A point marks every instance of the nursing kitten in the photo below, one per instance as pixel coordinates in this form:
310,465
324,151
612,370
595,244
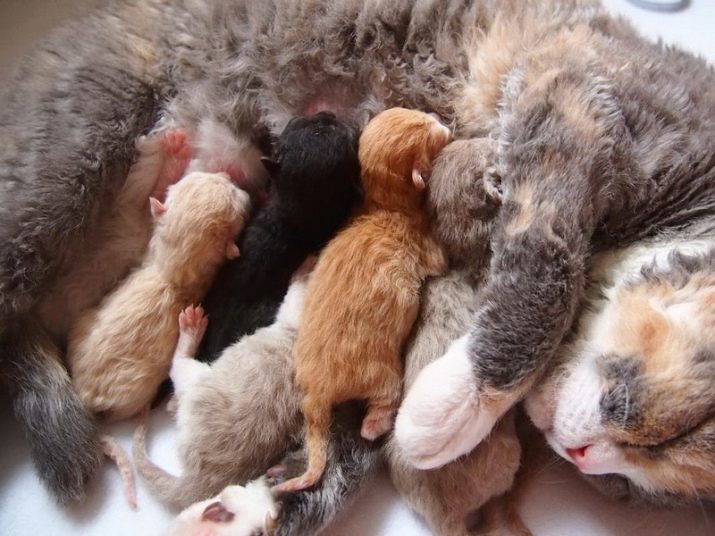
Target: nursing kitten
363,297
463,200
611,129
236,417
119,352
630,397
315,185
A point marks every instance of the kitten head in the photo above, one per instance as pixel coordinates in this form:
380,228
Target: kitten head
200,219
396,151
633,394
463,199
315,171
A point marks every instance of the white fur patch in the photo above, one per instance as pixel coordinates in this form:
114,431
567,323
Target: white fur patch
291,309
441,417
252,508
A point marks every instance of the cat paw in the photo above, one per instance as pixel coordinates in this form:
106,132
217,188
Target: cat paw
377,422
192,326
193,321
237,510
177,153
443,416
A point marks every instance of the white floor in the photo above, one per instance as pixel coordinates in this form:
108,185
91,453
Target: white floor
557,503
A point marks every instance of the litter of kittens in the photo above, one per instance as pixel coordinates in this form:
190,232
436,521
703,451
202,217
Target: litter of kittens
442,243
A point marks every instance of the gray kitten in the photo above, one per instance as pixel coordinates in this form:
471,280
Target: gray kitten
235,417
605,139
464,200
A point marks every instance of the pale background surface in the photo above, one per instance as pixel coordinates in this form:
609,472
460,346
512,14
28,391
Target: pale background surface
557,503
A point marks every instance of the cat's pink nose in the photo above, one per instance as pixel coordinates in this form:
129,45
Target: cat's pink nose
577,454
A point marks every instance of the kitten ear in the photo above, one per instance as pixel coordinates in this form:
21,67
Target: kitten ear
157,207
271,165
417,179
493,185
232,251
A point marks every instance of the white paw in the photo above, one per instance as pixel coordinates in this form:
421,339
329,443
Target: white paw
441,417
236,511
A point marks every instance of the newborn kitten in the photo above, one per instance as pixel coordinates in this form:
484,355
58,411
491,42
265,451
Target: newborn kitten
463,200
236,417
364,293
119,352
236,511
630,398
314,188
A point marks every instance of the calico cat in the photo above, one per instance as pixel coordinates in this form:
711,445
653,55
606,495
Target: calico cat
605,139
630,396
602,142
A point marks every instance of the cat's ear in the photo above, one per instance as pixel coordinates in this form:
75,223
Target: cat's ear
232,251
417,179
271,165
493,185
157,207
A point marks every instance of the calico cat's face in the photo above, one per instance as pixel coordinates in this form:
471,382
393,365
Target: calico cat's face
634,392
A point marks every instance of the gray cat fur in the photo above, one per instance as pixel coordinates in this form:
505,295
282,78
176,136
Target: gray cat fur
243,420
463,200
72,110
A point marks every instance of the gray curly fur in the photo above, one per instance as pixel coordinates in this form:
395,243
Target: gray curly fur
463,200
72,110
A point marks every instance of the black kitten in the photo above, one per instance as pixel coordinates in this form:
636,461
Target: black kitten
315,184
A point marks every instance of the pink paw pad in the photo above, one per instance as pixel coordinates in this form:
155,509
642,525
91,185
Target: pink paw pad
192,319
177,154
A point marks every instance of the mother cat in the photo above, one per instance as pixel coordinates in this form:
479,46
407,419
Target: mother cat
605,139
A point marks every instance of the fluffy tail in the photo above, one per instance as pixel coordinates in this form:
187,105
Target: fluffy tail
61,432
351,461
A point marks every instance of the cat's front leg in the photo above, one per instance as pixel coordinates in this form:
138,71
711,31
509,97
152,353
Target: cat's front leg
528,303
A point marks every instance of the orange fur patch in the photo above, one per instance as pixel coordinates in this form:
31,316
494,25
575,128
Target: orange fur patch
363,296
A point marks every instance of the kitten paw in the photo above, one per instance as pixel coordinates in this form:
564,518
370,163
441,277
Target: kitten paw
443,416
193,321
177,154
192,326
377,422
237,510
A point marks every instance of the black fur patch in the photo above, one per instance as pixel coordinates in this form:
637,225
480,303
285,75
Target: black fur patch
314,188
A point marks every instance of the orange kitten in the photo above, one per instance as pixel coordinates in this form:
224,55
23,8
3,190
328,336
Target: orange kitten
364,293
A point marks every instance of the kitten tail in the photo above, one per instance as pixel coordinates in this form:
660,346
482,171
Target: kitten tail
317,418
